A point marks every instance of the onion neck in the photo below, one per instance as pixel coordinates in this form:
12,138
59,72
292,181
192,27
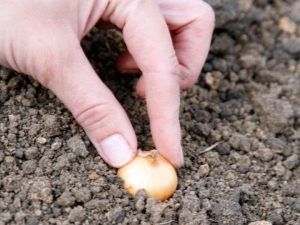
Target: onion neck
150,155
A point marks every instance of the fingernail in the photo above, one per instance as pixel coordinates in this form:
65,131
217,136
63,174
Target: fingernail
181,157
115,150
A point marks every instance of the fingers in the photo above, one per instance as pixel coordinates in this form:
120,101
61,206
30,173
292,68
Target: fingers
191,23
93,105
44,43
191,35
148,40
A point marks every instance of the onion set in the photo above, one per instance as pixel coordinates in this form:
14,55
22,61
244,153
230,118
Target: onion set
152,172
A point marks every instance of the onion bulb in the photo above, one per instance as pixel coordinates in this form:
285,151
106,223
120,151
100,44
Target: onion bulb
151,172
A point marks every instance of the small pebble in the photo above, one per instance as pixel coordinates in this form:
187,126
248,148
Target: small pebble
32,153
20,153
10,161
41,140
264,154
287,25
93,176
29,166
223,148
262,222
291,162
56,211
204,170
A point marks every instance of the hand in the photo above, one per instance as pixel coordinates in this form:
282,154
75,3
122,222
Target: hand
42,39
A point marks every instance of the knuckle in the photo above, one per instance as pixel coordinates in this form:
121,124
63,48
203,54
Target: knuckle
174,66
49,61
171,66
95,116
44,64
44,72
177,75
187,80
117,11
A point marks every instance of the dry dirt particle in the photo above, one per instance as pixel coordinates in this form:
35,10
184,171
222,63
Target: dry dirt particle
77,214
62,162
296,205
82,195
204,170
291,162
66,199
5,217
287,25
29,166
274,113
41,140
12,182
263,222
101,205
40,189
20,217
32,152
93,176
10,161
116,215
77,146
264,154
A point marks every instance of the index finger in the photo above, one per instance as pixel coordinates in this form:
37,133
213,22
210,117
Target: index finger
149,42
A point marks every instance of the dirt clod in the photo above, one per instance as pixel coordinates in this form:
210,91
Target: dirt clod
40,189
77,214
77,146
66,199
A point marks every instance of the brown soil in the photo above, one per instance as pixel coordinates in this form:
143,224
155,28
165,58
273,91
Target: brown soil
248,97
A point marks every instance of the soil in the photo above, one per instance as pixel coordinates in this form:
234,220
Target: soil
247,99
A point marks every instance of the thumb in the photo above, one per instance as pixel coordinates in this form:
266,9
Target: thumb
94,107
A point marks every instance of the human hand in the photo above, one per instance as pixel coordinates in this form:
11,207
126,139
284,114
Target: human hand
42,39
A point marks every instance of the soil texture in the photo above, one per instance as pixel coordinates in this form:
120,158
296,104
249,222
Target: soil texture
247,99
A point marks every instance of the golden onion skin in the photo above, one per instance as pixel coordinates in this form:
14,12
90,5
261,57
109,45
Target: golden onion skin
156,175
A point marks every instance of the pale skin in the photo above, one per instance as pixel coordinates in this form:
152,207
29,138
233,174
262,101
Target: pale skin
42,39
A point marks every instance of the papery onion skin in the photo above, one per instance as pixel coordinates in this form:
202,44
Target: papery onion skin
157,176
